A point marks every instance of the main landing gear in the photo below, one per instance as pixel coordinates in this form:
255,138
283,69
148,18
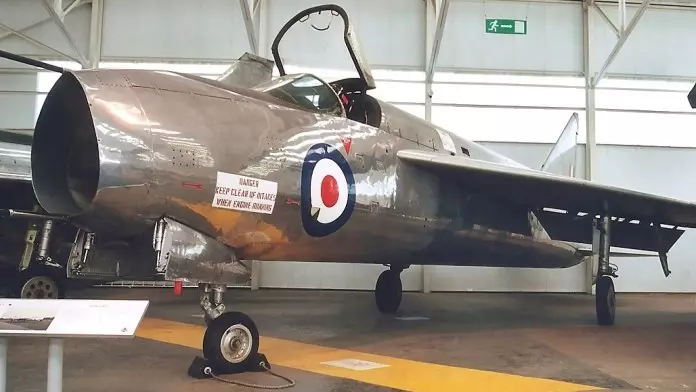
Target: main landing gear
231,340
605,297
388,290
38,275
39,282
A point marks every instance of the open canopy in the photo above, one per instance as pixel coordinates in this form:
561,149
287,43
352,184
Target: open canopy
349,38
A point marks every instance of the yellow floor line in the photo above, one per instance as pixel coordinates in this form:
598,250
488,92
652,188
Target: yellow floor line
401,374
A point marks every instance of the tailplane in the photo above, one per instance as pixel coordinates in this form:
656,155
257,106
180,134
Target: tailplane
562,157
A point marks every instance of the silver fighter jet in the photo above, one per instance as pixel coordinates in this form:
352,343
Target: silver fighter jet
175,176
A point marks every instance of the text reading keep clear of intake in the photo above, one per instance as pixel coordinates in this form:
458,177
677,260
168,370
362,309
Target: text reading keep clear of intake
243,193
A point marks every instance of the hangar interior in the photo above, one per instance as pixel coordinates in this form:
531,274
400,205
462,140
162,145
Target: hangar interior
624,66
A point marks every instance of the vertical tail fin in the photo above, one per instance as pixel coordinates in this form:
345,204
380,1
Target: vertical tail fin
562,157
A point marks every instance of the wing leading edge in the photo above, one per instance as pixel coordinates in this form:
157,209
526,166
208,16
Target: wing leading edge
538,190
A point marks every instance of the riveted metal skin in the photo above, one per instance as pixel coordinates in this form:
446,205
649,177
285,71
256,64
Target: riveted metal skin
119,149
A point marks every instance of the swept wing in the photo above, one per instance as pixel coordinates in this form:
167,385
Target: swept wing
538,190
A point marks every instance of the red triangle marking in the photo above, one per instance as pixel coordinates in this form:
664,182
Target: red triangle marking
347,142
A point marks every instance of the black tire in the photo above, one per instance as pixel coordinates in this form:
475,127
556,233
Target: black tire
388,291
605,301
216,332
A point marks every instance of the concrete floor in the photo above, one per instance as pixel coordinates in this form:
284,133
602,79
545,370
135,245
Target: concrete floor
548,336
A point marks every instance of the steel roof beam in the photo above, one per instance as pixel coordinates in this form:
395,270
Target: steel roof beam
623,36
96,30
606,19
66,11
441,13
249,24
37,43
57,19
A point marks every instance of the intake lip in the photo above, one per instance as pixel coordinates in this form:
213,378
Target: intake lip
65,153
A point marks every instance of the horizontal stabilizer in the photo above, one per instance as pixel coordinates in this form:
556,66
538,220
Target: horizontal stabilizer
692,97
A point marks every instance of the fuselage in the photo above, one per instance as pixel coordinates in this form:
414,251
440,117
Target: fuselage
119,149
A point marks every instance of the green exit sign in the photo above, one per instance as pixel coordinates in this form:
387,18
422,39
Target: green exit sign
506,26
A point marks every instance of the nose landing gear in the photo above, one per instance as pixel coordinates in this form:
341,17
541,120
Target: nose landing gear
231,340
230,343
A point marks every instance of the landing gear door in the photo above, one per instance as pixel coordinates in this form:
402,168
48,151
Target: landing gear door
349,38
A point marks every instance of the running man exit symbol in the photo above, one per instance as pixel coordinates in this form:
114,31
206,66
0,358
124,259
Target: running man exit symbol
506,26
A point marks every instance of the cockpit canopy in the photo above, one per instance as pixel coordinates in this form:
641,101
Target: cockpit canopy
306,91
349,38
344,98
340,98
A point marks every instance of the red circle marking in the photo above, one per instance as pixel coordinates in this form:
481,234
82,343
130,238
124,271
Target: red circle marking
329,191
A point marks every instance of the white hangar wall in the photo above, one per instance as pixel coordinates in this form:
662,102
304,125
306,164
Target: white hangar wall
391,34
513,93
175,30
552,44
17,98
661,45
18,83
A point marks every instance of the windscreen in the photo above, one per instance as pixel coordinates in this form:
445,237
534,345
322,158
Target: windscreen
306,91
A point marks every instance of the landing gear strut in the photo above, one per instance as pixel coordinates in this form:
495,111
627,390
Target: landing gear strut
39,276
388,290
605,297
231,341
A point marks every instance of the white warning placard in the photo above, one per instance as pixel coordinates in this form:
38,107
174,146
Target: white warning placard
243,193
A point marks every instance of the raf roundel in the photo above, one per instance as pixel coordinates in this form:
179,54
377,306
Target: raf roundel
327,190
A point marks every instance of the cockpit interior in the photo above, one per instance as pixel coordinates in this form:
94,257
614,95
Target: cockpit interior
346,97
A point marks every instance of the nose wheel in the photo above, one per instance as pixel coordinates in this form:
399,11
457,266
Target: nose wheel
231,342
